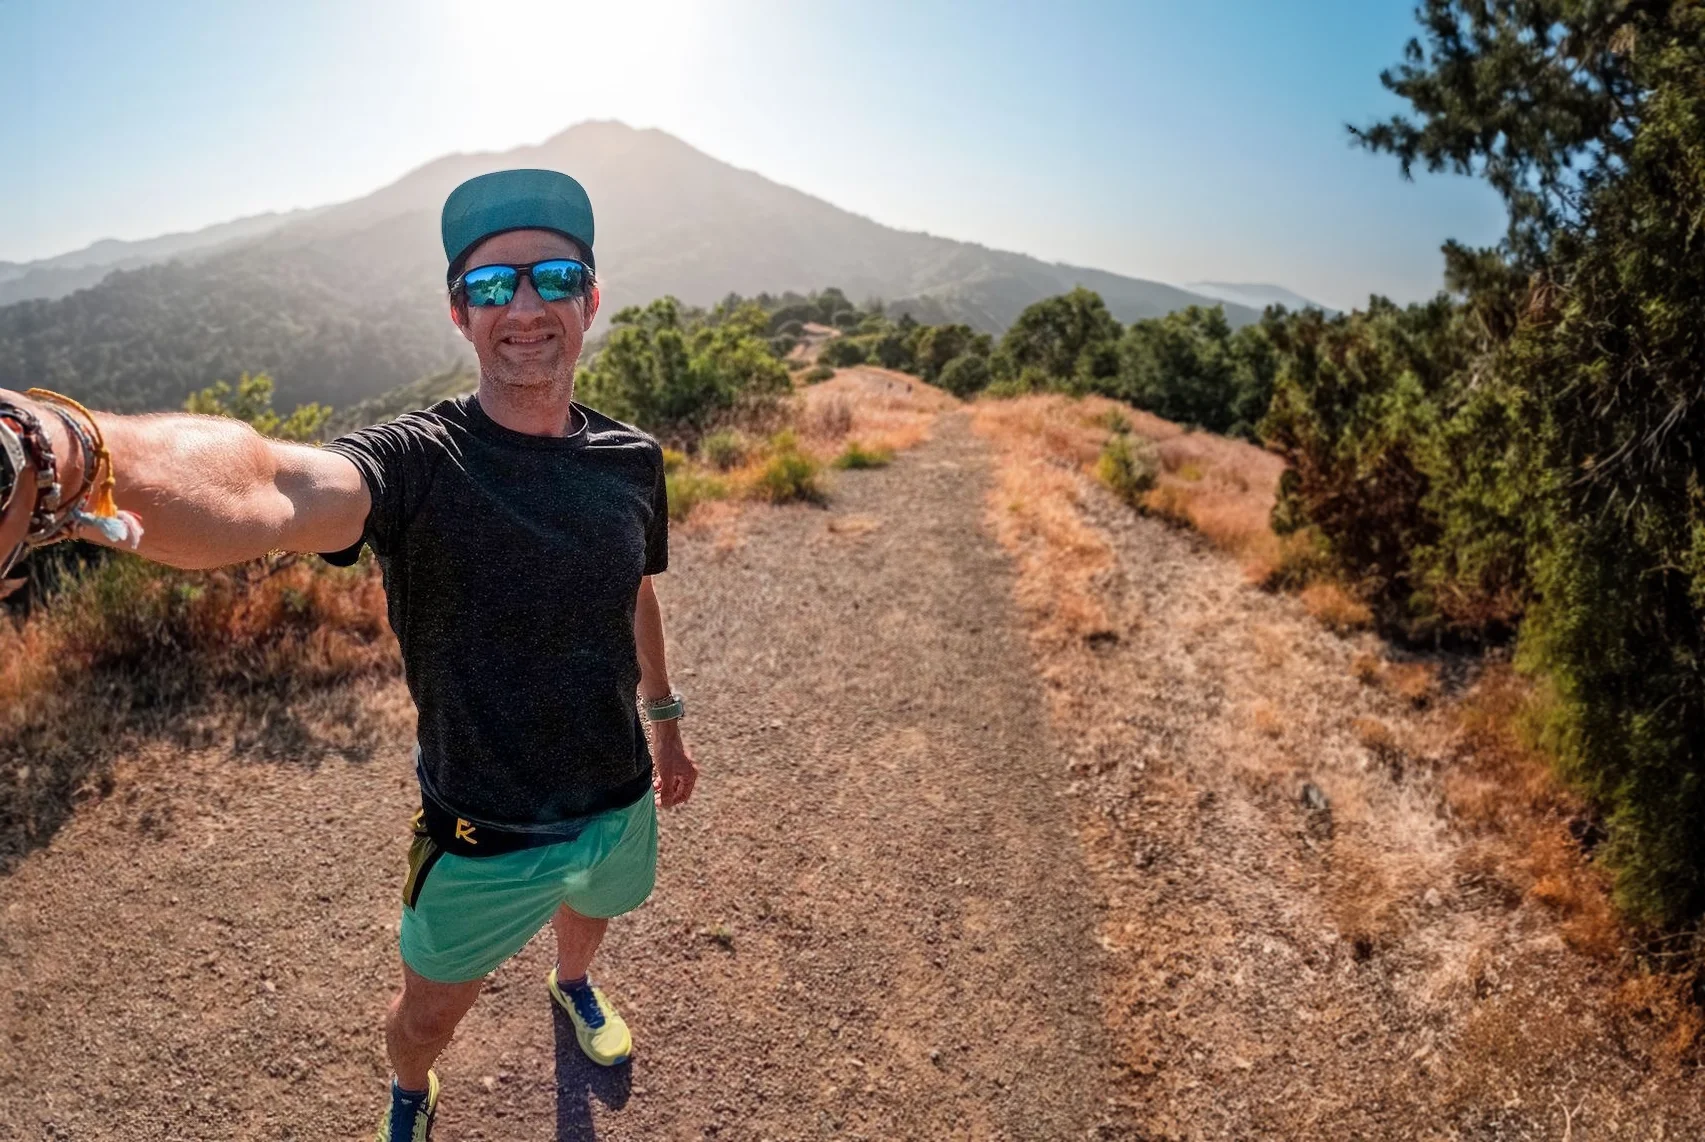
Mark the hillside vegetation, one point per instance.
(348, 302)
(1526, 454)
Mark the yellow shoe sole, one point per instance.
(583, 1034)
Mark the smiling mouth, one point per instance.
(527, 338)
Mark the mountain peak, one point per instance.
(671, 220)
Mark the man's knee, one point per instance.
(425, 1014)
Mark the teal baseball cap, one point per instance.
(489, 204)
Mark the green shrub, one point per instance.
(857, 455)
(789, 474)
(1114, 421)
(841, 352)
(935, 346)
(1192, 368)
(687, 488)
(724, 449)
(251, 402)
(818, 373)
(1129, 466)
(1071, 342)
(892, 351)
(782, 344)
(1398, 460)
(965, 375)
(1532, 450)
(830, 302)
(675, 371)
(1008, 387)
(792, 318)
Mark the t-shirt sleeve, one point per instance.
(396, 462)
(657, 532)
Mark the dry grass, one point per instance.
(1033, 511)
(884, 410)
(1335, 607)
(1503, 787)
(1416, 683)
(860, 418)
(129, 647)
(1266, 720)
(1366, 901)
(1450, 862)
(1222, 488)
(1435, 844)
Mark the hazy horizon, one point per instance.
(1200, 144)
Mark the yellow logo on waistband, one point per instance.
(465, 831)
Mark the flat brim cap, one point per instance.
(515, 200)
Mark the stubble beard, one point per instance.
(531, 385)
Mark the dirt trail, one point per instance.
(1188, 875)
(874, 921)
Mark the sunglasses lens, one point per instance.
(559, 279)
(490, 285)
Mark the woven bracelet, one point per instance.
(39, 447)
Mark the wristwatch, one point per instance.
(665, 709)
(12, 461)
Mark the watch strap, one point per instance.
(665, 709)
(12, 461)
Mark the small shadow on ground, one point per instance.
(70, 760)
(579, 1080)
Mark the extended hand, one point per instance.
(677, 772)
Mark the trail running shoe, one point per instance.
(420, 1130)
(602, 1034)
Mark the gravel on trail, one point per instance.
(875, 920)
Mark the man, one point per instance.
(518, 532)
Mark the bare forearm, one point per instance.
(205, 487)
(648, 640)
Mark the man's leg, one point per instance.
(602, 1033)
(577, 940)
(420, 1022)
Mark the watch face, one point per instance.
(12, 461)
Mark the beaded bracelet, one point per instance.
(85, 444)
(39, 447)
(103, 470)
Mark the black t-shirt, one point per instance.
(511, 566)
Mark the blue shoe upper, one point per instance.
(406, 1106)
(585, 1004)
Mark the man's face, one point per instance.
(529, 343)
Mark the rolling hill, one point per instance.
(345, 302)
(59, 275)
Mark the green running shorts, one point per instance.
(463, 916)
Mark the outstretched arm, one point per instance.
(212, 491)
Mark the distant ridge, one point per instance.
(298, 297)
(1257, 296)
(79, 269)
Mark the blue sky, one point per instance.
(1191, 139)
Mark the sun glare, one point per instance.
(632, 60)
